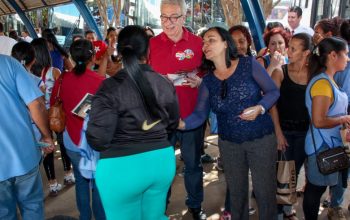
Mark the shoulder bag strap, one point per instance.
(59, 87)
(313, 137)
(46, 69)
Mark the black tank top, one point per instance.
(291, 106)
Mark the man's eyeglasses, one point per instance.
(223, 89)
(171, 18)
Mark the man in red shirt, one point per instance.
(177, 53)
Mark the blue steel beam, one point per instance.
(85, 12)
(27, 23)
(256, 20)
(259, 13)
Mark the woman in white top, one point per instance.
(43, 69)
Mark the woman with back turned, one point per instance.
(75, 85)
(130, 118)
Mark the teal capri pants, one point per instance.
(135, 187)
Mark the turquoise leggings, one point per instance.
(135, 187)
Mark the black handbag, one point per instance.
(331, 160)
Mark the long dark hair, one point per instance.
(42, 56)
(306, 40)
(23, 52)
(82, 52)
(345, 30)
(51, 38)
(318, 58)
(133, 47)
(231, 50)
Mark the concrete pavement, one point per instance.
(214, 193)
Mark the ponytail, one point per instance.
(133, 47)
(82, 52)
(316, 63)
(79, 68)
(319, 56)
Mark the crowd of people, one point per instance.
(153, 93)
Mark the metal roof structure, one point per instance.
(252, 9)
(28, 5)
(19, 7)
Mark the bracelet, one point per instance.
(262, 109)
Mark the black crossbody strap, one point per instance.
(313, 137)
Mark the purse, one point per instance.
(331, 160)
(286, 193)
(57, 117)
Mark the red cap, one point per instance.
(100, 48)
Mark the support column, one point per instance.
(256, 20)
(85, 12)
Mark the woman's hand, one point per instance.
(193, 81)
(277, 59)
(48, 140)
(182, 125)
(345, 120)
(250, 114)
(111, 48)
(282, 143)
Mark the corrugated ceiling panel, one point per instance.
(6, 9)
(31, 4)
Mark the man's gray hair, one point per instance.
(180, 3)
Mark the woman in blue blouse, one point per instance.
(327, 108)
(233, 89)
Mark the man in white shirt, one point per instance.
(6, 42)
(294, 17)
(26, 37)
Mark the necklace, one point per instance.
(299, 77)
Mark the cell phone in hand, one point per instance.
(42, 144)
(248, 112)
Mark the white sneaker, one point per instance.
(54, 189)
(69, 179)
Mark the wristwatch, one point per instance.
(262, 109)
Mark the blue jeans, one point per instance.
(26, 191)
(337, 192)
(296, 151)
(191, 146)
(82, 192)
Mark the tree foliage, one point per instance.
(103, 6)
(233, 10)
